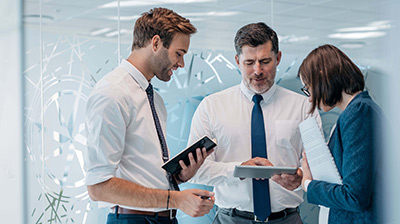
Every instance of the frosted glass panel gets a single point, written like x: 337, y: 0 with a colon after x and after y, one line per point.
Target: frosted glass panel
x: 56, y: 96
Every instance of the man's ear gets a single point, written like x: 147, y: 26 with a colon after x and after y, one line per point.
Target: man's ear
x: 237, y: 59
x: 278, y: 58
x: 156, y: 43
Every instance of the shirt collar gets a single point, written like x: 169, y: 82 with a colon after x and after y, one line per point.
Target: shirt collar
x: 135, y: 73
x: 249, y: 94
x: 363, y: 94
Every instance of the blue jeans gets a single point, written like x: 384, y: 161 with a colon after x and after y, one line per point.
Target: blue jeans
x: 138, y: 219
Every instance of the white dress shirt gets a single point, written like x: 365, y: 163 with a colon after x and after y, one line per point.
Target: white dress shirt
x: 226, y: 116
x: 122, y: 139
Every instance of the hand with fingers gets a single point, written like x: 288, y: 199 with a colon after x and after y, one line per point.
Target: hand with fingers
x: 289, y: 181
x: 306, y: 171
x: 193, y: 202
x: 189, y: 171
x: 257, y: 161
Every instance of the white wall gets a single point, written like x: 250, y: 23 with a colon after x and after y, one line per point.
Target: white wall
x: 391, y: 180
x: 11, y: 110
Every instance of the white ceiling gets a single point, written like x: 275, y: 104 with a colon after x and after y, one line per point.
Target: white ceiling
x: 301, y: 24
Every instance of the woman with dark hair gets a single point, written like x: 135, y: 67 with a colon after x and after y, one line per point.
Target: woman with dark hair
x: 331, y: 80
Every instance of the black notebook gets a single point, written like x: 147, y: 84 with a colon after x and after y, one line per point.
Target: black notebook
x: 173, y: 166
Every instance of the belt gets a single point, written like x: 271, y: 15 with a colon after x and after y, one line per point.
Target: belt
x: 250, y: 215
x: 167, y: 213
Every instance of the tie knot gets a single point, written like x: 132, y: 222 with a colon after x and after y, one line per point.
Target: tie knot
x: 257, y: 98
x: 149, y: 90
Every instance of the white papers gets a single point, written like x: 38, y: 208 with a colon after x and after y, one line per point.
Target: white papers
x: 319, y: 157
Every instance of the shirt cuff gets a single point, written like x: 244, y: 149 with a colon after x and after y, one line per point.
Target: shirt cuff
x: 99, y: 175
x: 305, y: 185
x: 299, y: 188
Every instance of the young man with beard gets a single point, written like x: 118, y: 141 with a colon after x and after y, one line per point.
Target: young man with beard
x: 255, y: 121
x: 126, y: 122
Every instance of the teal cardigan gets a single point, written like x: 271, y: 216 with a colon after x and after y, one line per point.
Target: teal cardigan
x: 354, y: 145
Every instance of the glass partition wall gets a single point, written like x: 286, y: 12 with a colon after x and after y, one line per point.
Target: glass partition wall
x: 71, y: 45
x: 13, y: 185
x: 62, y: 66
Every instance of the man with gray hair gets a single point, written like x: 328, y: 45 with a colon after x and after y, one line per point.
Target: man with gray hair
x: 255, y: 123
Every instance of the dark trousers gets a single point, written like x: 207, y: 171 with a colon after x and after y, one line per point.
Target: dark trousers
x: 224, y: 216
x: 139, y: 219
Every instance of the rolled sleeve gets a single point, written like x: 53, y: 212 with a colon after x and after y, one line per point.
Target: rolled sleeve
x: 99, y: 174
x: 106, y: 120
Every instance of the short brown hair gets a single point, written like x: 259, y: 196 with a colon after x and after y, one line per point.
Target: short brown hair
x: 160, y: 21
x: 328, y: 72
x: 255, y: 34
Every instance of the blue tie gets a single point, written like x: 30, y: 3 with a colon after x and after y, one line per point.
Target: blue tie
x: 261, y: 198
x: 160, y: 134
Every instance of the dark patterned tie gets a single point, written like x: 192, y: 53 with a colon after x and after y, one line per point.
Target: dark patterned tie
x: 261, y: 198
x: 160, y: 134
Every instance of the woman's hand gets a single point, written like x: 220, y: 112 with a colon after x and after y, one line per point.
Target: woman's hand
x: 306, y: 171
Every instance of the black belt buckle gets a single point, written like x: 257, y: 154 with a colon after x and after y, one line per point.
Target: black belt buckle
x: 285, y: 214
x: 257, y: 220
x: 273, y: 216
x: 172, y: 214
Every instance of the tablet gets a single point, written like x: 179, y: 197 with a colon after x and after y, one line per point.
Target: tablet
x: 173, y: 166
x: 261, y: 171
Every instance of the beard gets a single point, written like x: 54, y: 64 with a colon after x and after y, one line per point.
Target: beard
x: 162, y: 66
x: 261, y: 87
